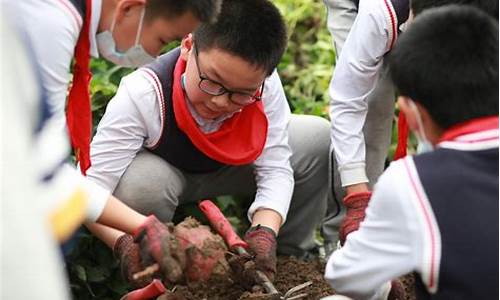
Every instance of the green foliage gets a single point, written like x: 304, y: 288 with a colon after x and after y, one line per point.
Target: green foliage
x: 307, y: 65
x: 93, y: 271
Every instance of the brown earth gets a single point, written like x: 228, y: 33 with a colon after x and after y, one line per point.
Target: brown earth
x: 291, y: 272
x: 224, y: 285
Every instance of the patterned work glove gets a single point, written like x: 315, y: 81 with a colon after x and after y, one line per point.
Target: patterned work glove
x: 130, y: 260
x: 262, y: 243
x: 397, y: 291
x: 355, y: 204
x: 157, y: 243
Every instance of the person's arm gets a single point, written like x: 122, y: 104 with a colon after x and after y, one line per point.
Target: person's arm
x: 273, y: 172
x: 354, y: 78
x: 131, y: 122
x: 386, y: 246
x: 51, y: 29
x: 132, y: 119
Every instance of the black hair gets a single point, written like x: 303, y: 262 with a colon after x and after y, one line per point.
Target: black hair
x: 251, y: 29
x: 447, y: 61
x: 203, y: 10
x: 488, y: 6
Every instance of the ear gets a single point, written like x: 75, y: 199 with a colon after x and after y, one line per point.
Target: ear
x: 404, y: 107
x: 186, y: 46
x: 125, y: 7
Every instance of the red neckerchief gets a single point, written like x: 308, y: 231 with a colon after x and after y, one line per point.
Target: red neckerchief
x: 78, y: 112
x: 403, y: 132
x: 239, y: 140
x: 472, y: 126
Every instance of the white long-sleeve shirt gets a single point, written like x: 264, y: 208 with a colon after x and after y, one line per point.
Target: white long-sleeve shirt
x: 400, y: 233
x: 50, y: 29
x: 30, y: 260
x: 133, y: 121
x: 355, y: 76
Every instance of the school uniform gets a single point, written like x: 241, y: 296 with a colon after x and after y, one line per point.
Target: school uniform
x: 361, y: 94
x: 51, y: 30
x: 43, y: 199
x: 435, y: 214
x: 155, y: 152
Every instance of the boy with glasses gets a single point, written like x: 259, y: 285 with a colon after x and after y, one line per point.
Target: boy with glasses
x: 211, y: 118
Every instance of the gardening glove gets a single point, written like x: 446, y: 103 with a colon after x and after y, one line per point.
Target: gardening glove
x: 262, y: 242
x: 397, y: 291
x: 355, y: 204
x: 157, y: 243
x: 130, y: 260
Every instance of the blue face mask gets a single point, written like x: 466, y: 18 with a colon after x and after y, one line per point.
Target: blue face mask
x: 134, y: 57
x: 423, y: 143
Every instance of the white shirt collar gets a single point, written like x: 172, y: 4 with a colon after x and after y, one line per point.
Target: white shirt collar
x: 207, y: 126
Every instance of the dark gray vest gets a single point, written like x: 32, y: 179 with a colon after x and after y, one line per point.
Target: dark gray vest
x: 175, y: 146
x: 402, y: 8
x: 80, y: 6
x: 462, y: 187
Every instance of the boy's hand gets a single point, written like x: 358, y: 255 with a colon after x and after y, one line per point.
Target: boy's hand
x: 355, y: 204
x: 130, y: 260
x: 158, y: 243
x: 262, y: 243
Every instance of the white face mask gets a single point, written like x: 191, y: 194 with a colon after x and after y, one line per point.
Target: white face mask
x: 423, y: 143
x: 134, y: 57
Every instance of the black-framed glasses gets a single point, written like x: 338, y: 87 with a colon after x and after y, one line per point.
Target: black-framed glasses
x: 215, y: 88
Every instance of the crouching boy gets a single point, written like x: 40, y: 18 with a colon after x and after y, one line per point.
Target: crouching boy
x: 436, y: 213
x: 210, y: 118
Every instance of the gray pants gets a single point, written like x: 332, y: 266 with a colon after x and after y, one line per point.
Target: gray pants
x: 378, y: 125
x: 151, y: 185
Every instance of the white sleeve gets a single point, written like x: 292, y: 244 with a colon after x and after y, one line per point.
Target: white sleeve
x: 386, y: 246
x: 51, y: 29
x: 354, y: 78
x: 273, y: 172
x: 31, y: 263
x: 131, y: 121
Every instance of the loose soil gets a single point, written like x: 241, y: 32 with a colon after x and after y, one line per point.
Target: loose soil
x: 223, y: 284
x: 291, y: 272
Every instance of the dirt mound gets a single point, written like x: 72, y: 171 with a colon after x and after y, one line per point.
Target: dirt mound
x: 205, y: 250
x: 203, y: 245
x: 291, y: 272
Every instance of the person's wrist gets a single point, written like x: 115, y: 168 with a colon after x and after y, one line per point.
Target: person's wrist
x: 121, y: 244
x: 263, y: 228
x: 268, y: 218
x: 357, y: 188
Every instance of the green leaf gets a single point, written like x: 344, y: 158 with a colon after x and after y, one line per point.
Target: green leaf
x: 80, y: 272
x: 97, y: 274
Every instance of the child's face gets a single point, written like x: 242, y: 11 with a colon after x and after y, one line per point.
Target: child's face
x: 220, y: 72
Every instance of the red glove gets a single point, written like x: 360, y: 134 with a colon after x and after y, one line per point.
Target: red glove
x: 355, y: 204
x: 130, y: 260
x: 157, y: 241
x: 397, y: 291
x: 262, y: 243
